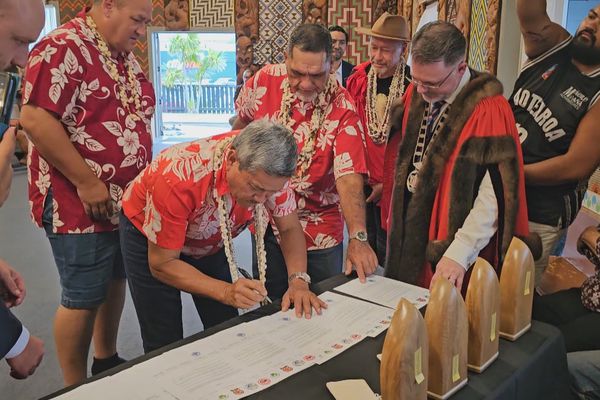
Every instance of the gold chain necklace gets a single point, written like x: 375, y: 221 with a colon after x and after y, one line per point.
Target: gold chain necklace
x: 225, y: 222
x: 378, y: 128
x: 133, y: 83
x: 316, y: 122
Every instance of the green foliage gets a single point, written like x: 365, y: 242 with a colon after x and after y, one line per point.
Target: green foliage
x: 194, y: 66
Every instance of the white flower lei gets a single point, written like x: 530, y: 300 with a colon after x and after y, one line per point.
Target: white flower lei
x: 225, y: 222
x: 316, y: 122
x: 378, y: 128
x: 133, y: 83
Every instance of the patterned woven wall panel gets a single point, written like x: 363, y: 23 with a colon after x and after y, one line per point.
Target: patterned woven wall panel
x: 70, y: 8
x: 277, y: 20
x: 477, y: 49
x: 211, y: 13
x: 350, y: 14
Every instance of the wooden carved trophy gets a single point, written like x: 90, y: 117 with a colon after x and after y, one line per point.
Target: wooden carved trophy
x: 403, y: 372
x: 483, y: 310
x: 448, y: 329
x: 516, y: 290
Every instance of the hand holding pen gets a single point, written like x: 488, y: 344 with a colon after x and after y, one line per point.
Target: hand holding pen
x: 246, y: 274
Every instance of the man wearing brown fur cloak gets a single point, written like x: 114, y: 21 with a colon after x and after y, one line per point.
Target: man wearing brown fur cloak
x: 454, y: 186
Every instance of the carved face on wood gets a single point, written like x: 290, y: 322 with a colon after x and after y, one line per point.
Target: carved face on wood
x: 176, y: 15
x: 244, y: 52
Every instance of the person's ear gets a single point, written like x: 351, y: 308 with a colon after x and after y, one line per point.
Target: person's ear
x: 231, y: 156
x: 108, y: 6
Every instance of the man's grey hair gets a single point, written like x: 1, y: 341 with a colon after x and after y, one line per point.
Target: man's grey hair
x: 312, y: 38
x: 268, y: 146
x: 438, y: 41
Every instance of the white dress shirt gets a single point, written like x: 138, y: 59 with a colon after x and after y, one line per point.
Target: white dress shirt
x: 338, y: 74
x: 20, y: 345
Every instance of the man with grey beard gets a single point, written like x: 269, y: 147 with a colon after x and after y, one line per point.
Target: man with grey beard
x: 556, y: 107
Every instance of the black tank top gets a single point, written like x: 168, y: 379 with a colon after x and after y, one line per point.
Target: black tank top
x: 551, y: 97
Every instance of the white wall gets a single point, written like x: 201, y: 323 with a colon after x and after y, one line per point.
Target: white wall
x: 510, y: 47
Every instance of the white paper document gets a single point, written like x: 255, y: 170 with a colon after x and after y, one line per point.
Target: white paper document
x: 246, y: 358
x: 385, y: 291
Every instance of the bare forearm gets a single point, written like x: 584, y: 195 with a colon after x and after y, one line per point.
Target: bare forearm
x: 352, y: 200
x: 555, y: 171
x: 52, y: 141
x: 183, y: 276
x: 530, y: 10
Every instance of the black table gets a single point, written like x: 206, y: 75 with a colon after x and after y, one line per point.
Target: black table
x: 533, y: 367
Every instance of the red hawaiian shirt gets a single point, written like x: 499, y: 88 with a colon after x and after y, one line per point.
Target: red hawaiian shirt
x: 66, y: 75
x: 172, y: 201
x: 339, y: 150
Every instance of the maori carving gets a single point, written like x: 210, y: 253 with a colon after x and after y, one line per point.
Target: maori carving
x: 246, y: 31
x: 314, y: 12
x: 443, y: 10
x: 246, y: 19
x: 463, y: 17
x: 176, y: 15
x: 244, y: 55
x: 405, y: 8
x: 381, y: 6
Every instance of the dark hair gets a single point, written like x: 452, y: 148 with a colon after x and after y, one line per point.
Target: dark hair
x: 312, y: 38
x: 337, y: 28
x: 438, y: 41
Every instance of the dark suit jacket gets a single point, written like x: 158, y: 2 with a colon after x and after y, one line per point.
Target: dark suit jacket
x: 10, y: 330
x: 346, y: 71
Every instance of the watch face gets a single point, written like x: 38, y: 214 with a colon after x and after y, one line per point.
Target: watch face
x: 362, y: 236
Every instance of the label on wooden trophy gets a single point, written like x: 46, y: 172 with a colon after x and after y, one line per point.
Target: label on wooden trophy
x: 403, y: 376
x: 448, y: 328
x: 483, y: 306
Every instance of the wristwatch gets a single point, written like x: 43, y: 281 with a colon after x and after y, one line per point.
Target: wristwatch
x: 361, y: 236
x: 299, y: 275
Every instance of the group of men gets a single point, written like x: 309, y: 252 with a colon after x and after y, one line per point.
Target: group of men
x: 423, y: 165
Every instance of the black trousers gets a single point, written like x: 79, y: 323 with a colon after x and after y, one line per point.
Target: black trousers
x: 579, y: 326
x: 377, y: 236
x: 158, y: 305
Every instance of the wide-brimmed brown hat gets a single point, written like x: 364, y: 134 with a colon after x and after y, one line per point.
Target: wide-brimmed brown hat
x: 388, y: 26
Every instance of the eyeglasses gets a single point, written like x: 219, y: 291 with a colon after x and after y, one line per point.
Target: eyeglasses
x: 433, y: 85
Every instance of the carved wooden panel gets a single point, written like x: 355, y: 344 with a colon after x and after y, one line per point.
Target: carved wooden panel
x: 405, y: 8
x: 381, y: 6
x: 314, y: 12
x: 246, y: 32
x: 463, y: 17
x: 177, y: 15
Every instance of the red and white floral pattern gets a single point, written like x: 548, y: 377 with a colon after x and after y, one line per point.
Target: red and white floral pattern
x: 339, y: 150
x: 172, y: 201
x: 67, y: 76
